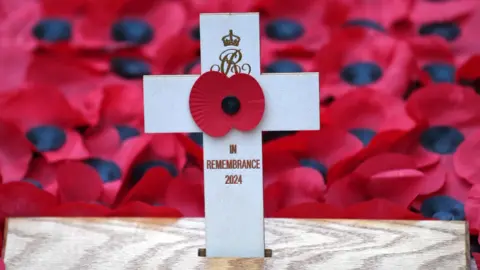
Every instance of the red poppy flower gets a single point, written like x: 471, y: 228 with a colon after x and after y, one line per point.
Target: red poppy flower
x: 112, y: 158
x: 456, y: 22
x: 356, y: 57
x: 50, y: 129
x: 472, y: 209
x: 218, y: 103
x: 434, y: 59
x: 452, y: 114
x: 297, y: 27
x: 149, y: 25
x: 365, y: 112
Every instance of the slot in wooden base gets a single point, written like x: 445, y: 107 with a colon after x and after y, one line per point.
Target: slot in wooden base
x: 202, y: 252
x: 146, y: 243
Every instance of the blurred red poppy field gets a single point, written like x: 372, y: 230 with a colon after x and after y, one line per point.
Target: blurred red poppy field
x: 400, y: 109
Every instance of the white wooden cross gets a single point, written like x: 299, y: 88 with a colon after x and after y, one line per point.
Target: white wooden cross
x: 234, y: 215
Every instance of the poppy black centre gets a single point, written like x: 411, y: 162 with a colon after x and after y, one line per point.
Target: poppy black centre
x: 230, y: 105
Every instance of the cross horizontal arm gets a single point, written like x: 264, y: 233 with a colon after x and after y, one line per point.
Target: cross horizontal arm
x: 292, y: 101
x: 166, y: 104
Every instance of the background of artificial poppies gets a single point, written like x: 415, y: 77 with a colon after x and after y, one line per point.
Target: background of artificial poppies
x: 400, y: 108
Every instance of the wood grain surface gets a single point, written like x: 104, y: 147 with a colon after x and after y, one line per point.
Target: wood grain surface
x: 297, y: 244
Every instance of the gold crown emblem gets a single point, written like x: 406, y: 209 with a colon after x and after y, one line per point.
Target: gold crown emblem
x: 231, y: 39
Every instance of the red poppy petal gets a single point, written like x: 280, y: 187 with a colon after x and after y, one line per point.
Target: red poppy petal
x: 38, y: 105
x: 472, y: 209
x: 45, y: 173
x: 191, y: 148
x: 2, y: 264
x: 139, y: 209
x: 372, y: 109
x: 104, y: 141
x: 151, y: 188
x: 469, y: 70
x: 341, y: 145
x: 310, y: 210
x: 110, y: 193
x: 167, y: 18
x: 205, y: 97
x: 167, y: 146
x: 186, y: 195
x: 19, y: 199
x: 302, y: 185
x: 276, y: 162
x: 15, y: 152
x: 384, y: 162
x: 252, y: 99
x: 78, y: 182
x: 129, y: 151
x: 380, y: 209
x: 273, y: 196
x: 399, y: 186
x: 79, y: 209
x: 431, y: 49
x: 346, y: 191
x: 73, y: 148
x: 431, y: 12
x: 15, y: 60
x: 435, y: 104
x: 114, y: 110
x: 379, y: 144
x: 466, y: 161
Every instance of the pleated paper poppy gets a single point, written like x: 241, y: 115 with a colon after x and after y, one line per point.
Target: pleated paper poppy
x: 218, y: 103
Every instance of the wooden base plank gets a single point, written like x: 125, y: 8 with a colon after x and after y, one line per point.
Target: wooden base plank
x: 148, y: 243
